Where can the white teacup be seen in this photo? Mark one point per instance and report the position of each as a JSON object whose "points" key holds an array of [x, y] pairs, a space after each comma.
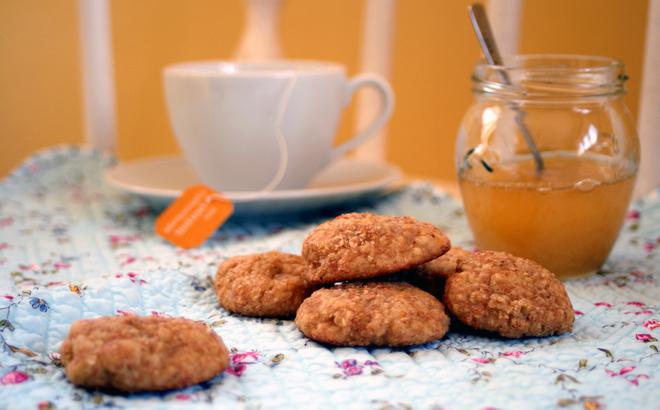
{"points": [[238, 123]]}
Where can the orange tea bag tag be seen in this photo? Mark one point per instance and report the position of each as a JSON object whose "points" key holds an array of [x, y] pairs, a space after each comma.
{"points": [[193, 217]]}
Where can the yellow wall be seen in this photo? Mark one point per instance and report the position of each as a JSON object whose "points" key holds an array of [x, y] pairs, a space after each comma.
{"points": [[40, 101]]}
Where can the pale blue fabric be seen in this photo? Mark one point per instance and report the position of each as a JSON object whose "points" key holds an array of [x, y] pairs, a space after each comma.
{"points": [[72, 248]]}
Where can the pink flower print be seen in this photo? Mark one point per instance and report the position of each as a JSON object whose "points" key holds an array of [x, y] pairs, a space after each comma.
{"points": [[159, 314], [603, 304], [645, 337], [347, 363], [640, 312], [353, 370], [651, 324], [641, 277], [578, 312], [128, 260], [515, 354], [117, 241], [638, 304], [33, 267], [237, 369], [482, 360], [13, 377], [3, 245], [633, 215], [649, 246], [351, 367], [245, 356], [6, 222], [635, 380], [626, 373], [133, 277], [182, 396], [61, 265], [121, 312], [8, 297], [238, 362]]}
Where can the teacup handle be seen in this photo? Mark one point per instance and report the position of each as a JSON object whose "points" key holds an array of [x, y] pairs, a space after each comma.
{"points": [[387, 97]]}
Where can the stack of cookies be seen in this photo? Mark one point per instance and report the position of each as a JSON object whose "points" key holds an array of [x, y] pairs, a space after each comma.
{"points": [[362, 280], [365, 279]]}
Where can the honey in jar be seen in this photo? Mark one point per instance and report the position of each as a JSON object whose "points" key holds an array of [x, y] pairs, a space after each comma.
{"points": [[565, 208], [568, 227]]}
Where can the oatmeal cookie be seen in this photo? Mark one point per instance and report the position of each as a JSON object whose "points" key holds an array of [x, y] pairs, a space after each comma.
{"points": [[373, 313], [131, 353], [271, 284], [512, 296], [445, 265], [361, 246], [431, 276]]}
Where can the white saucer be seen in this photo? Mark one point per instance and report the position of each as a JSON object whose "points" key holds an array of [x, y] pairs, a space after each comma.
{"points": [[161, 179]]}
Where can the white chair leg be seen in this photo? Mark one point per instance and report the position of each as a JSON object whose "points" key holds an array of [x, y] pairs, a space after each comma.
{"points": [[505, 18], [261, 38], [98, 83], [649, 107], [376, 57]]}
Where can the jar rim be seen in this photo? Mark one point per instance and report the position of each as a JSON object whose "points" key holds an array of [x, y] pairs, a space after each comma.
{"points": [[547, 77], [514, 62]]}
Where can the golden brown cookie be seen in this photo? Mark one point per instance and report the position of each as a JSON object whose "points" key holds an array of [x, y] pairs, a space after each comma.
{"points": [[361, 246], [513, 296], [271, 284], [373, 313], [445, 265], [431, 276], [131, 353]]}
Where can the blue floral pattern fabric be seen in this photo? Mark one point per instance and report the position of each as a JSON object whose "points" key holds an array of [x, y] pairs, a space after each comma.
{"points": [[71, 248]]}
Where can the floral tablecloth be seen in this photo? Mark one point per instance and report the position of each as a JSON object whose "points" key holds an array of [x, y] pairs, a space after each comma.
{"points": [[71, 248]]}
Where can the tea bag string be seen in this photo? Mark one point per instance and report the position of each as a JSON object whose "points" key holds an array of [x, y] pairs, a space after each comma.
{"points": [[281, 143], [279, 135]]}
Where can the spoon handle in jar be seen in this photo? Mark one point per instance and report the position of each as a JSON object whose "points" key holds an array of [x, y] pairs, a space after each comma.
{"points": [[488, 45], [484, 33]]}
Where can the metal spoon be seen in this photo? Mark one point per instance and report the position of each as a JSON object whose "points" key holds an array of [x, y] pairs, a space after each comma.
{"points": [[486, 39]]}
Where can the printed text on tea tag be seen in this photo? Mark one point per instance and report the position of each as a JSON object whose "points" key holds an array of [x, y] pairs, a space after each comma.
{"points": [[193, 217]]}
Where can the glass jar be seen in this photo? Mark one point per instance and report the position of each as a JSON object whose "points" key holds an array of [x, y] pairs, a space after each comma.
{"points": [[546, 159]]}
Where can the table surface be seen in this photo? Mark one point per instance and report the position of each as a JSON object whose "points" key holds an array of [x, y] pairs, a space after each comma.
{"points": [[72, 248], [442, 185]]}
